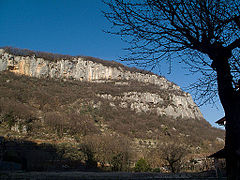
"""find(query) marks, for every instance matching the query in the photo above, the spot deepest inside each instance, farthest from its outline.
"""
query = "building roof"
(221, 121)
(218, 154)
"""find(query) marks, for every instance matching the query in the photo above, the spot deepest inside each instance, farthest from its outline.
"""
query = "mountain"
(105, 106)
(166, 98)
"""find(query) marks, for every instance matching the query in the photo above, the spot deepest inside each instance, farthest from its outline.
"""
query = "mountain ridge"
(113, 70)
(77, 68)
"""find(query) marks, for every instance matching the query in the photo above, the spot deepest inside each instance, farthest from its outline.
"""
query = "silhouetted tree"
(204, 34)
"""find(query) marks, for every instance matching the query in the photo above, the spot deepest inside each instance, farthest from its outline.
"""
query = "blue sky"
(74, 27)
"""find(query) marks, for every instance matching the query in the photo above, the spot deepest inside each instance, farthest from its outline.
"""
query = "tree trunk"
(232, 143)
(230, 100)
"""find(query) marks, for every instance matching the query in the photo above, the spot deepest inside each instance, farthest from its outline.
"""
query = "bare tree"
(204, 34)
(173, 154)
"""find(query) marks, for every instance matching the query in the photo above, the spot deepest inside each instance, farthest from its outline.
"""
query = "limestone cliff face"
(178, 104)
(77, 68)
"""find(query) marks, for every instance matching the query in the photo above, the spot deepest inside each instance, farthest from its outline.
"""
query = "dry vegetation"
(68, 116)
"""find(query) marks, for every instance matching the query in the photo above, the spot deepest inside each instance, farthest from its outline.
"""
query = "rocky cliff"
(173, 102)
(78, 68)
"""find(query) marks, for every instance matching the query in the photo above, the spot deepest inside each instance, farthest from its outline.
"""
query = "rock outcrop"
(176, 104)
(77, 68)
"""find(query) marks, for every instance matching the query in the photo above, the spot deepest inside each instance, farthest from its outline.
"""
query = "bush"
(117, 162)
(9, 119)
(88, 151)
(142, 166)
(156, 170)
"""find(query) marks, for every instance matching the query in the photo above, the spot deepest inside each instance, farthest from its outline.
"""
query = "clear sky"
(74, 27)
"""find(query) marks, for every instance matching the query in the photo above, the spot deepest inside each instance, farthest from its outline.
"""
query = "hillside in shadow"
(30, 156)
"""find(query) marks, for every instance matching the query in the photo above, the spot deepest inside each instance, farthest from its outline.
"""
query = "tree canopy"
(194, 32)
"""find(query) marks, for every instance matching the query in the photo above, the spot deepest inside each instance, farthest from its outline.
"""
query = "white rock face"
(176, 105)
(78, 69)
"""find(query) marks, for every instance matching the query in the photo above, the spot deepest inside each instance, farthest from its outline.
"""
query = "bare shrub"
(18, 109)
(81, 124)
(38, 54)
(173, 154)
(112, 150)
(56, 121)
(13, 112)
